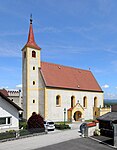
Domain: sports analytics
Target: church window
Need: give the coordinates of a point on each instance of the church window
(85, 102)
(58, 100)
(34, 54)
(72, 101)
(95, 113)
(33, 101)
(33, 82)
(33, 68)
(95, 101)
(24, 54)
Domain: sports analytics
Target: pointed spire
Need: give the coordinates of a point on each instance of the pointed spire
(31, 41)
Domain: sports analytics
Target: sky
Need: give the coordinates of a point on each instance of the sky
(77, 33)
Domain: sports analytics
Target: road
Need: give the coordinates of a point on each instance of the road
(77, 144)
(42, 140)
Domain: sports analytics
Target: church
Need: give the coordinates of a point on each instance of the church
(57, 92)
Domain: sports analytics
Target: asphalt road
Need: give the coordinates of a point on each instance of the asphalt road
(78, 144)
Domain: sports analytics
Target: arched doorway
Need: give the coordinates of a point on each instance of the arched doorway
(77, 115)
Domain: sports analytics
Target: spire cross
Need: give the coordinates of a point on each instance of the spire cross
(31, 19)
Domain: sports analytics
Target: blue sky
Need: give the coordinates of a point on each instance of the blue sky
(78, 33)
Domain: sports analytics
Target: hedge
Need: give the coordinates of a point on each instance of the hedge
(62, 126)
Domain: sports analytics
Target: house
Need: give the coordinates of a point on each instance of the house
(55, 91)
(9, 114)
(13, 95)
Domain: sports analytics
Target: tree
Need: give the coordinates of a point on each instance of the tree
(35, 121)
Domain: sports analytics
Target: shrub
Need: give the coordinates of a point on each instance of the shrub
(97, 132)
(62, 126)
(22, 124)
(8, 134)
(35, 121)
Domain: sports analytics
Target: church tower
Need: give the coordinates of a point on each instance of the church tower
(30, 77)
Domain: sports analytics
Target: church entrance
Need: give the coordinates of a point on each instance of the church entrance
(77, 115)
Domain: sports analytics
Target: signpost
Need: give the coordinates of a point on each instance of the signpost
(64, 115)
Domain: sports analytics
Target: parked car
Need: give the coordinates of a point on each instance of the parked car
(49, 125)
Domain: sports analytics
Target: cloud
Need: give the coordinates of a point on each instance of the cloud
(4, 87)
(19, 86)
(105, 7)
(110, 50)
(8, 52)
(105, 86)
(48, 29)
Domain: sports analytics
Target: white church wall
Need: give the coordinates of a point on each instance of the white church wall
(57, 113)
(24, 83)
(41, 96)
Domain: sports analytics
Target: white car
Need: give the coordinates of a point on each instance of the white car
(49, 125)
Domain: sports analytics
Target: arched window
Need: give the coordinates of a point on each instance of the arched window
(95, 101)
(85, 102)
(58, 100)
(72, 101)
(34, 54)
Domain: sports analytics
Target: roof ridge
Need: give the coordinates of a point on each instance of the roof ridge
(64, 66)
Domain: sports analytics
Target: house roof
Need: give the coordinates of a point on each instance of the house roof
(9, 101)
(110, 116)
(5, 92)
(59, 76)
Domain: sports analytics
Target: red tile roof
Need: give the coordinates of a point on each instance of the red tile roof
(3, 91)
(91, 124)
(70, 109)
(59, 76)
(31, 41)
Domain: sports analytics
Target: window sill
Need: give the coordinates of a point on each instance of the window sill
(58, 105)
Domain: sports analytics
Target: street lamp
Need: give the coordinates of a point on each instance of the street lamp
(64, 115)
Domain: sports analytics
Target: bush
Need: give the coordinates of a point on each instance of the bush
(97, 132)
(8, 134)
(23, 124)
(62, 126)
(35, 121)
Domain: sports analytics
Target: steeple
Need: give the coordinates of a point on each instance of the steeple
(31, 41)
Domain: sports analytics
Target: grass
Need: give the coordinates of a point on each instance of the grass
(90, 120)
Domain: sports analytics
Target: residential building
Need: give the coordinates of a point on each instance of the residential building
(9, 114)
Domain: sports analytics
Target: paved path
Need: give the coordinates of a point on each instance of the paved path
(42, 140)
